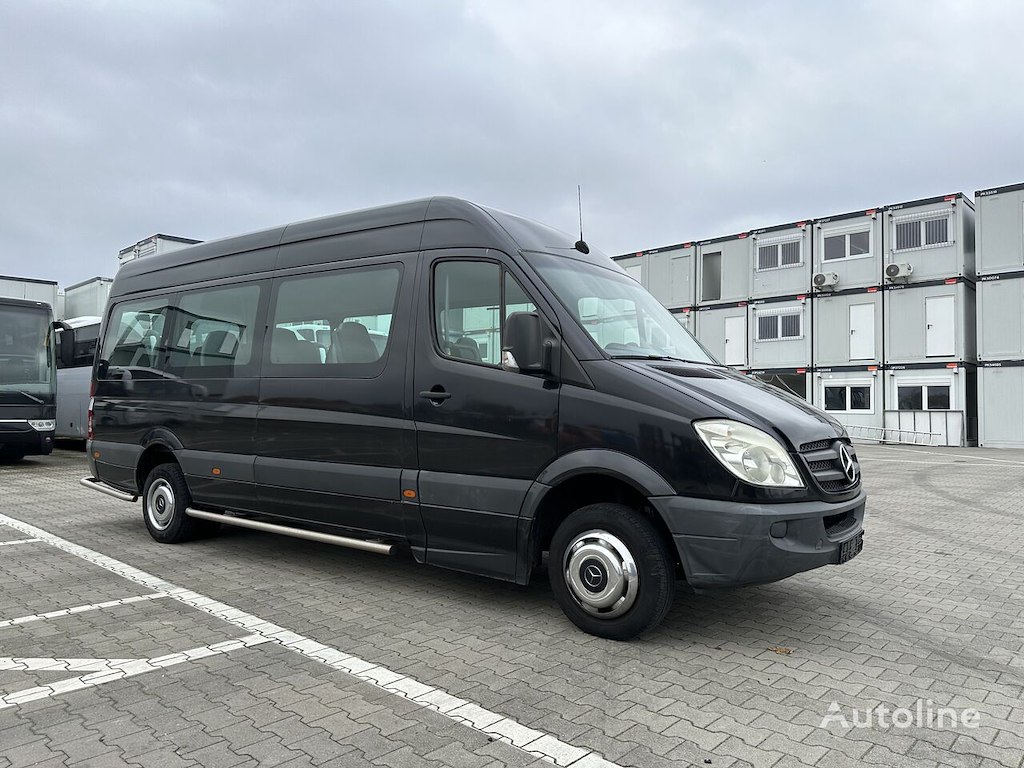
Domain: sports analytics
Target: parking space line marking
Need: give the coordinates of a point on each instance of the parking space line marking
(79, 608)
(505, 729)
(992, 459)
(18, 541)
(107, 670)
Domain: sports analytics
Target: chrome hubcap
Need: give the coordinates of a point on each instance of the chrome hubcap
(601, 574)
(160, 504)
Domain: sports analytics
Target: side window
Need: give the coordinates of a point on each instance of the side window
(86, 339)
(472, 299)
(134, 338)
(334, 324)
(711, 276)
(212, 331)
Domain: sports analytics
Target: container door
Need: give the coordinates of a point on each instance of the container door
(735, 341)
(940, 340)
(862, 331)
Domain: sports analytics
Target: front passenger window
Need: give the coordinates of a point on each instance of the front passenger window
(472, 300)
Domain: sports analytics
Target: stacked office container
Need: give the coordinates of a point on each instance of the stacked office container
(1000, 267)
(668, 273)
(930, 333)
(847, 330)
(723, 292)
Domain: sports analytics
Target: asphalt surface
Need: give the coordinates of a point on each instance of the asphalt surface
(254, 649)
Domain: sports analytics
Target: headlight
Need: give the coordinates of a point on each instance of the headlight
(43, 425)
(752, 455)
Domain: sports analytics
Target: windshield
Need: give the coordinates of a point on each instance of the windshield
(617, 312)
(26, 356)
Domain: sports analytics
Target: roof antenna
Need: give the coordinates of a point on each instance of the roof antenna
(581, 246)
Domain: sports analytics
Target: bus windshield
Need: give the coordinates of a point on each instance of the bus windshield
(617, 312)
(27, 360)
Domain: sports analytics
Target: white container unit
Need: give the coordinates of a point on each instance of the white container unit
(929, 239)
(847, 328)
(931, 404)
(848, 251)
(792, 381)
(932, 322)
(30, 289)
(724, 267)
(1001, 317)
(87, 298)
(780, 332)
(686, 319)
(153, 245)
(853, 395)
(1000, 405)
(1000, 236)
(781, 258)
(723, 331)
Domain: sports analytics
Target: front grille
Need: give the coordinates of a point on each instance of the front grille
(826, 466)
(817, 445)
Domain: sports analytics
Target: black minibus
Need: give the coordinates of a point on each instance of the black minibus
(470, 386)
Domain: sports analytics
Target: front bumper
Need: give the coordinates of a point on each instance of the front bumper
(17, 436)
(722, 543)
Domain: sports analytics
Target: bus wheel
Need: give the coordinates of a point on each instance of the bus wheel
(10, 456)
(165, 497)
(611, 571)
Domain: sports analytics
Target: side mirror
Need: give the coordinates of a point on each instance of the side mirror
(525, 349)
(66, 344)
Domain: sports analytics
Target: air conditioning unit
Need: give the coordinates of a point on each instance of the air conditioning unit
(898, 271)
(824, 281)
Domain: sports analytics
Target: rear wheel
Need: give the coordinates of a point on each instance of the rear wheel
(611, 571)
(165, 497)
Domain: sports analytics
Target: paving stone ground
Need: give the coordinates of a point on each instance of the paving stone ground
(932, 610)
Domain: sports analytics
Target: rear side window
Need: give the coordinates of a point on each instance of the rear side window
(134, 338)
(212, 332)
(336, 324)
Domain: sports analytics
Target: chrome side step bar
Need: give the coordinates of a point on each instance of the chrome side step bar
(299, 533)
(99, 485)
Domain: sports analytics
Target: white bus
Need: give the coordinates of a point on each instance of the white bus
(74, 372)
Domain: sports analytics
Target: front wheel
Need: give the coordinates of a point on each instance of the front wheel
(165, 497)
(611, 571)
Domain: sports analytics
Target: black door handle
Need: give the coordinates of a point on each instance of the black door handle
(436, 395)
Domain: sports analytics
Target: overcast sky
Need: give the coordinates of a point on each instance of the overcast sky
(681, 120)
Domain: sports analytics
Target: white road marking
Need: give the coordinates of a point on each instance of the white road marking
(79, 608)
(929, 463)
(19, 541)
(107, 670)
(537, 743)
(954, 455)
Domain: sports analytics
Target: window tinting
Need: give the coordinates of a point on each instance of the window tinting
(135, 336)
(212, 331)
(860, 398)
(909, 398)
(334, 324)
(938, 398)
(470, 308)
(711, 276)
(835, 247)
(835, 398)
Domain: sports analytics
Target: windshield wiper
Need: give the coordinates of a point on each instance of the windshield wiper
(659, 357)
(30, 397)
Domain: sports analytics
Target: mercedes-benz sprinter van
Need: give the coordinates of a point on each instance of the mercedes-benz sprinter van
(468, 385)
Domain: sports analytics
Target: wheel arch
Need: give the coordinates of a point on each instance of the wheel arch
(158, 447)
(576, 480)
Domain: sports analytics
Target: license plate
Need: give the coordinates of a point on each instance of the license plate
(850, 549)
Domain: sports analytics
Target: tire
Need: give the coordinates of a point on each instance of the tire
(11, 457)
(611, 571)
(165, 497)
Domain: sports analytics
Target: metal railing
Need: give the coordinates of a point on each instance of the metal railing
(936, 428)
(891, 435)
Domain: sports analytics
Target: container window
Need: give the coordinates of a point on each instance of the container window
(850, 398)
(938, 398)
(936, 231)
(768, 257)
(922, 231)
(773, 325)
(835, 398)
(790, 253)
(848, 245)
(711, 276)
(908, 235)
(767, 328)
(910, 398)
(835, 247)
(860, 398)
(860, 243)
(790, 326)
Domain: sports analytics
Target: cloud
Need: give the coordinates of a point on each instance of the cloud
(680, 120)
